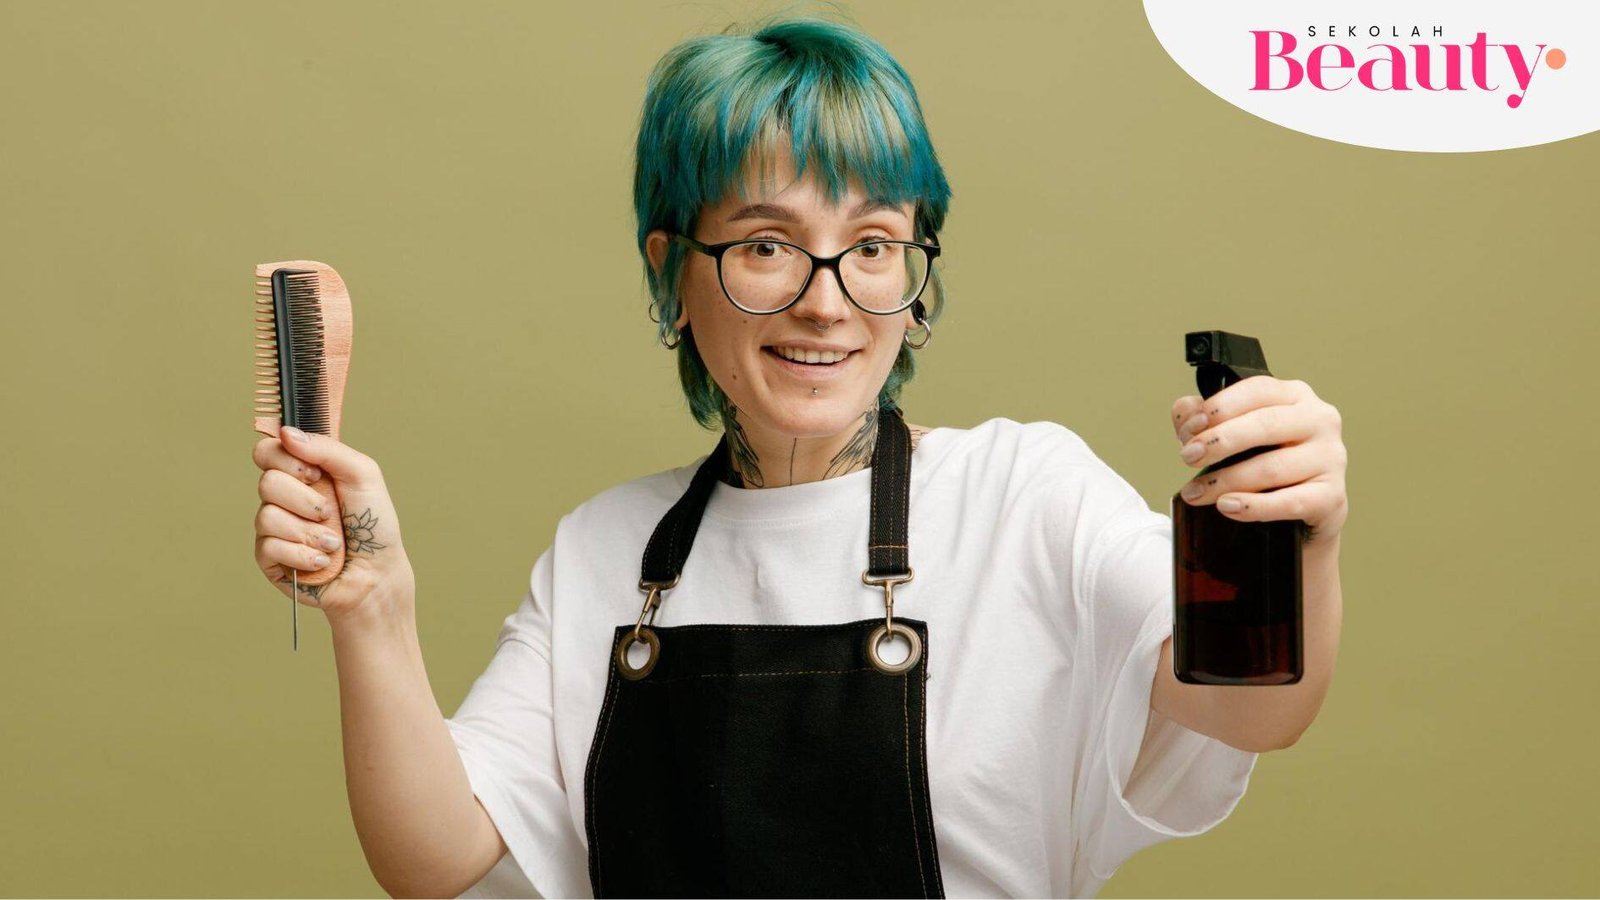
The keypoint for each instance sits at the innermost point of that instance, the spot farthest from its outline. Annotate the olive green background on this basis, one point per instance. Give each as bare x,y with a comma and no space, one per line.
467,168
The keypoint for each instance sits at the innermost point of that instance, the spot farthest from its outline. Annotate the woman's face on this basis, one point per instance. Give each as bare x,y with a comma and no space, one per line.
772,394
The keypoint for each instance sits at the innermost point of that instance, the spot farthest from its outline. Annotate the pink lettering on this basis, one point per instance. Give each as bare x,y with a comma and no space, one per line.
1386,68
1397,70
1521,70
1265,56
1315,65
1480,61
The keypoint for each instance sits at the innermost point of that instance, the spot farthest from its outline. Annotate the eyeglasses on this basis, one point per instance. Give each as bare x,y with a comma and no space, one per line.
762,276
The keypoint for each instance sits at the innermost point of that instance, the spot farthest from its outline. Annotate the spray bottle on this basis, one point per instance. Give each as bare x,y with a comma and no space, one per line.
1236,585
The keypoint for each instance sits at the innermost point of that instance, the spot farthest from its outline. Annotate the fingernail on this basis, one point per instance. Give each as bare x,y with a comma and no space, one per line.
1228,504
329,542
1193,452
295,433
1190,491
313,473
320,561
1191,426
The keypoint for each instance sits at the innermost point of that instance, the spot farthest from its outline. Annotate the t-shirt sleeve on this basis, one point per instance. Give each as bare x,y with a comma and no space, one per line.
504,731
1145,778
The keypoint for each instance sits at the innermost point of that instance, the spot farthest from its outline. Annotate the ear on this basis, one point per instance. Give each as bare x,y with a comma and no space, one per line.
655,248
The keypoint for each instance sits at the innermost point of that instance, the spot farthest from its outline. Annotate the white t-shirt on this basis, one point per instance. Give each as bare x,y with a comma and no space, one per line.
1046,583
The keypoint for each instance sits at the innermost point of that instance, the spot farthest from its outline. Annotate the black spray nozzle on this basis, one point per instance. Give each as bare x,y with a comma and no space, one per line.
1221,358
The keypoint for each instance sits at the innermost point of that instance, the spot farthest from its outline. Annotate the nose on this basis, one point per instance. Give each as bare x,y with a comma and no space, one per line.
823,300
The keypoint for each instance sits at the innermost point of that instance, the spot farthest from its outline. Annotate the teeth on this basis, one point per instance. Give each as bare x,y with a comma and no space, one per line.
809,356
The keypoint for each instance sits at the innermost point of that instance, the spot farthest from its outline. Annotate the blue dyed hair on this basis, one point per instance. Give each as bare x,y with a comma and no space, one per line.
715,103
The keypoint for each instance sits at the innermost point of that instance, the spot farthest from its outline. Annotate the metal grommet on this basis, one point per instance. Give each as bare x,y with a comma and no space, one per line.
648,636
882,631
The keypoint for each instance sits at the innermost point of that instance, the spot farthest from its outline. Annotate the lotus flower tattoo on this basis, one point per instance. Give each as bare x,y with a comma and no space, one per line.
358,533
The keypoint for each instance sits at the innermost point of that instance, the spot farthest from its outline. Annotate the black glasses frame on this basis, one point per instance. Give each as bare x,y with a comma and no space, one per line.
715,251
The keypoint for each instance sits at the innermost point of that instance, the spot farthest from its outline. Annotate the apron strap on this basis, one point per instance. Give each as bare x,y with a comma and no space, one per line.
669,544
887,554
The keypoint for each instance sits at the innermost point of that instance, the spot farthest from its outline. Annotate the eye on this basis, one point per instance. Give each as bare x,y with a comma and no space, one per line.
879,251
762,248
765,250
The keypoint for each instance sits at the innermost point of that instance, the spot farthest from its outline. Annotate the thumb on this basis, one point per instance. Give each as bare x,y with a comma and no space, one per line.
347,465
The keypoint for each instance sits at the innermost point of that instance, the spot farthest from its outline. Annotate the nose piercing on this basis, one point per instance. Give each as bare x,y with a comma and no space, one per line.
813,392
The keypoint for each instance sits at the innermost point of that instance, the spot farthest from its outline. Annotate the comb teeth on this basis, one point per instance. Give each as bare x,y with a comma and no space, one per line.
289,351
267,402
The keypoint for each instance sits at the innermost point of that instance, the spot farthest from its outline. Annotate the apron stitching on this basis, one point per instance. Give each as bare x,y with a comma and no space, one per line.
753,674
903,531
712,627
672,537
897,497
672,555
900,491
922,750
611,693
670,522
911,796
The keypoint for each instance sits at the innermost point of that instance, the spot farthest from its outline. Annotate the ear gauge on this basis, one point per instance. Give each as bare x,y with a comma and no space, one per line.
920,314
906,338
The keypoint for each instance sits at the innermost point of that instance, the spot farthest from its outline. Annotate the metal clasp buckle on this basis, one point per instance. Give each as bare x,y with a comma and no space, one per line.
642,633
889,627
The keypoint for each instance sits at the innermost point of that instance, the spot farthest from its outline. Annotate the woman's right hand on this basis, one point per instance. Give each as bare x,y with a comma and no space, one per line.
292,521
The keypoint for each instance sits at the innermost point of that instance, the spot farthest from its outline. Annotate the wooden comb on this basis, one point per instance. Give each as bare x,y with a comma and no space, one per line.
304,330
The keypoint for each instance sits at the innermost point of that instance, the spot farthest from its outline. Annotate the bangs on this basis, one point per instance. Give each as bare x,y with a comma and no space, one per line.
838,135
720,109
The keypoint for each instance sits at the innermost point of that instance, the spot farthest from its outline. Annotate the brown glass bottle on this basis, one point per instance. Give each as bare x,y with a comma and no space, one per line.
1236,585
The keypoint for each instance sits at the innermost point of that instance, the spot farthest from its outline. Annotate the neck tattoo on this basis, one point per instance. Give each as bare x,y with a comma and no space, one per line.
745,471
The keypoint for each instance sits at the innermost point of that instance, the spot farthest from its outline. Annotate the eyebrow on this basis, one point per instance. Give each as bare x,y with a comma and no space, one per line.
785,214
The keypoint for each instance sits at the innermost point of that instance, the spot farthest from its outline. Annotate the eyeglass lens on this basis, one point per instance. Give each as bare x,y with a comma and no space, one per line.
767,275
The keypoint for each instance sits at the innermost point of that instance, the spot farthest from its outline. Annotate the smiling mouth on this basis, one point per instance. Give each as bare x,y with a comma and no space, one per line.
815,365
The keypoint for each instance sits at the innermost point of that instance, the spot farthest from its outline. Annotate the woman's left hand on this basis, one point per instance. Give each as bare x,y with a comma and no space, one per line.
1303,479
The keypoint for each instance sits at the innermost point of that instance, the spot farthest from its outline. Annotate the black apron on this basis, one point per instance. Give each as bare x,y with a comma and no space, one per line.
767,760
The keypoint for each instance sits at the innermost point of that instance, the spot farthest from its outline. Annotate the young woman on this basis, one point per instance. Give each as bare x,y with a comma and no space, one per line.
839,654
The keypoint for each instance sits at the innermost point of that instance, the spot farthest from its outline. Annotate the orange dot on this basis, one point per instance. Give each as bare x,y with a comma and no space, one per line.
1554,58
